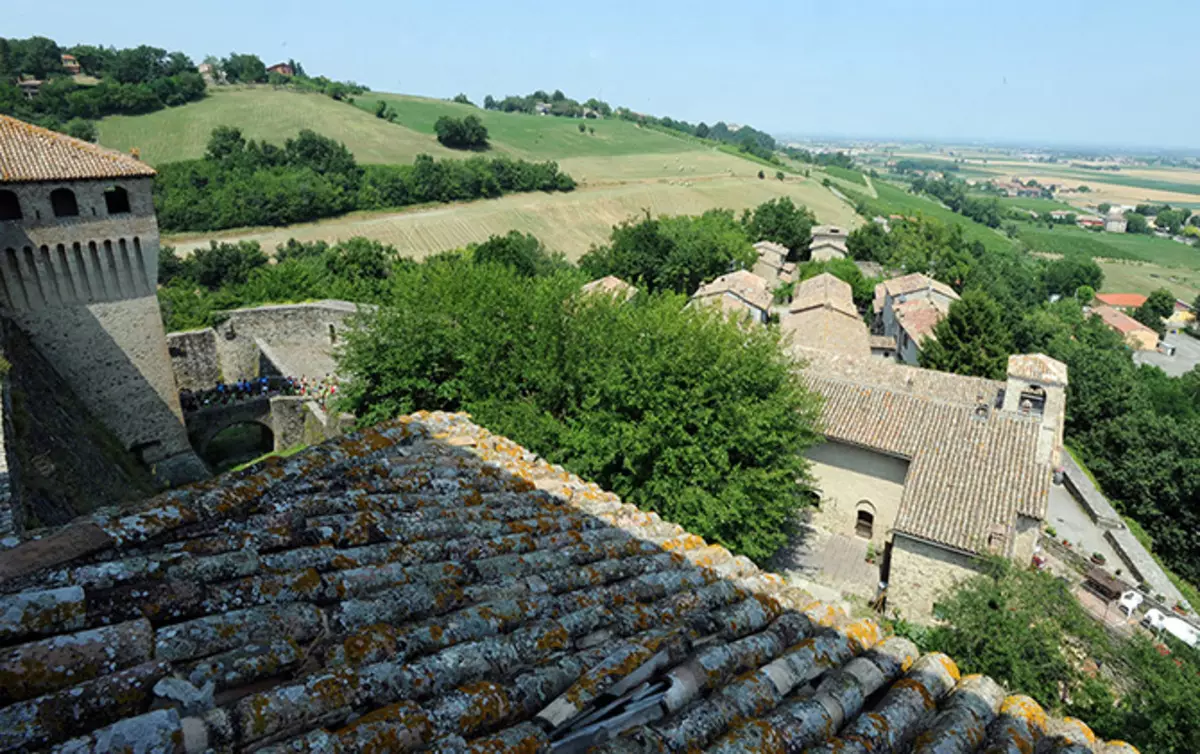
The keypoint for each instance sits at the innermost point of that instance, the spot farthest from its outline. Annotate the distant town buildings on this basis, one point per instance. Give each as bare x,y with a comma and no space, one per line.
908,308
738,293
1115,222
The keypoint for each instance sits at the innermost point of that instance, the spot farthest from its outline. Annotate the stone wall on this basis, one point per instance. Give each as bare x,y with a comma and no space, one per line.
70,463
300,339
921,573
1025,540
83,289
194,358
848,476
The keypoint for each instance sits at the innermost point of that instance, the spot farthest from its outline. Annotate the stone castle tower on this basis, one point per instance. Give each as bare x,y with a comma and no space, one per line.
78,270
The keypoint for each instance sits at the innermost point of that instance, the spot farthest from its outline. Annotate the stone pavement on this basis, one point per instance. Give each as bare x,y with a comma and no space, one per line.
1072,523
832,560
1187,355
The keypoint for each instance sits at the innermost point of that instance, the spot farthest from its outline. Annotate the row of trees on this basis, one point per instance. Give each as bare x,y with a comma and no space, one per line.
953,193
132,81
678,254
246,68
241,183
558,104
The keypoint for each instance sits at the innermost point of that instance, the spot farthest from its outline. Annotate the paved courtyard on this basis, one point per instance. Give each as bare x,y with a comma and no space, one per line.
1187,355
832,560
1071,522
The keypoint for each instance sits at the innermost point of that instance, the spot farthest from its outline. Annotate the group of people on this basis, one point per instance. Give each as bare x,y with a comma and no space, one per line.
323,390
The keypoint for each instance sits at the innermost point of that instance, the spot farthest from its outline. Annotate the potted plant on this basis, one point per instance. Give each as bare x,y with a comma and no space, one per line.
1051,532
1098,558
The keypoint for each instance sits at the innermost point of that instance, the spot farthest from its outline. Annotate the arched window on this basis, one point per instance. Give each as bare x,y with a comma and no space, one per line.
117,200
864,520
63,202
10,206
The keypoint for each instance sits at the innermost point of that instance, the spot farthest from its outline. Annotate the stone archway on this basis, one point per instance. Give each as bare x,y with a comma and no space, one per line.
236,443
864,520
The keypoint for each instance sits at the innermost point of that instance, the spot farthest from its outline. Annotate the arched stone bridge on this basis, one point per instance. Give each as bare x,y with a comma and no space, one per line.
282,415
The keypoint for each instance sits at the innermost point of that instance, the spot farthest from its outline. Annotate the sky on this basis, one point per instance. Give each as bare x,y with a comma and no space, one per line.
1057,72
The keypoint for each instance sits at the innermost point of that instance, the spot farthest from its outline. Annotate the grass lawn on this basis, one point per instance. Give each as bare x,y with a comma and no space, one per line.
1117,178
274,115
846,174
1065,239
535,137
1126,276
1032,203
896,201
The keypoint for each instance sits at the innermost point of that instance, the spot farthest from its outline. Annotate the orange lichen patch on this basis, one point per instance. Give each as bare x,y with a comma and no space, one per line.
950,666
865,634
685,542
343,563
1024,708
911,683
824,614
554,639
489,705
1081,727
307,582
374,641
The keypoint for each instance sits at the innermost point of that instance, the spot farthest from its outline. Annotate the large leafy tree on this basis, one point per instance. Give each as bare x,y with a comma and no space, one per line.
461,133
1064,276
672,253
971,340
781,221
677,410
523,252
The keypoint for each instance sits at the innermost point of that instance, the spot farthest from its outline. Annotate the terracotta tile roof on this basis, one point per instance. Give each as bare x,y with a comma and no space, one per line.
1120,321
916,282
825,291
1037,367
33,153
918,317
774,249
610,285
1121,300
743,284
425,585
822,315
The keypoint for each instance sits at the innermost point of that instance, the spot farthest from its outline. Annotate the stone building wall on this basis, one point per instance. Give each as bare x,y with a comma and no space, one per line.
194,358
300,339
920,573
83,289
849,477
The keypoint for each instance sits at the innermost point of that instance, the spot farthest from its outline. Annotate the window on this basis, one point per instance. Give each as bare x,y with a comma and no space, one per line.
864,522
63,202
10,206
117,201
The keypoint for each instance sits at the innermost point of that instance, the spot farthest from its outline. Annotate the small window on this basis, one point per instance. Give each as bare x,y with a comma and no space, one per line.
864,523
117,201
10,206
63,202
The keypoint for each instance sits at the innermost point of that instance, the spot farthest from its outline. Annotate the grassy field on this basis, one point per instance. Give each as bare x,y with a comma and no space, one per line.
1072,240
896,201
569,223
1124,276
179,133
1031,203
853,176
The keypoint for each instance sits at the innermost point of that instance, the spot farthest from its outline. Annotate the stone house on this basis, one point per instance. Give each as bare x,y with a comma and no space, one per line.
610,285
78,275
70,64
828,242
908,308
935,468
738,293
283,69
1115,222
822,315
1137,336
772,264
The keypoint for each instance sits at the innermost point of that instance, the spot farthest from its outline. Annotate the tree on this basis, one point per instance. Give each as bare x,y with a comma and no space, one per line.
702,130
381,108
463,100
869,243
971,340
761,175
1159,306
37,56
489,102
82,129
1171,220
1136,223
781,221
672,253
582,128
461,133
1064,276
1084,294
650,401
779,175
223,264
1103,208
522,252
244,69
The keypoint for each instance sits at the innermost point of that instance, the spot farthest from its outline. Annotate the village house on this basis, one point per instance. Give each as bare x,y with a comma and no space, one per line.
610,285
772,264
29,86
1089,221
1137,336
907,310
1125,302
206,72
283,69
822,315
1115,222
70,64
738,293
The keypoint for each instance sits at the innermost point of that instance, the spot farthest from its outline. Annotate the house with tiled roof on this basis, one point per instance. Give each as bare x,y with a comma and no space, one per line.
822,315
425,585
738,293
772,264
1136,335
908,308
828,242
1125,302
933,468
78,277
610,285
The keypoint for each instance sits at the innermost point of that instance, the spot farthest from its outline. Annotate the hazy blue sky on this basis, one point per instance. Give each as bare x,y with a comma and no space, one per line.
1061,71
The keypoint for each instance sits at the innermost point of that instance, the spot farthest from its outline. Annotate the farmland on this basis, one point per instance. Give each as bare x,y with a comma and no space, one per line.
893,200
569,223
1070,240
